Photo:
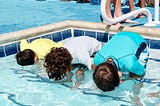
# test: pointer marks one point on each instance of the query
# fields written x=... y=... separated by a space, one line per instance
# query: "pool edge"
x=31 y=32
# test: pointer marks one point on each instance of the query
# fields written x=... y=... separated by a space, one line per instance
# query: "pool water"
x=22 y=14
x=29 y=86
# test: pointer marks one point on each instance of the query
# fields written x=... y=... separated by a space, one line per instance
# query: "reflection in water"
x=12 y=98
x=112 y=97
x=136 y=91
x=34 y=77
x=157 y=94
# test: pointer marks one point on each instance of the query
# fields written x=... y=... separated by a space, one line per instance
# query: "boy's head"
x=57 y=63
x=26 y=57
x=106 y=76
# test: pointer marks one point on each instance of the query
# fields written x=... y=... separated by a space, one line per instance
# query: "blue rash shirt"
x=122 y=48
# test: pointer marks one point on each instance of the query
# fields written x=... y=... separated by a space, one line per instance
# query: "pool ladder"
x=130 y=14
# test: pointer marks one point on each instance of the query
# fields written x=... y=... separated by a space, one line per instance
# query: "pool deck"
x=153 y=33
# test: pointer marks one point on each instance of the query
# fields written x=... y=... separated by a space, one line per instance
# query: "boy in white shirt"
x=76 y=50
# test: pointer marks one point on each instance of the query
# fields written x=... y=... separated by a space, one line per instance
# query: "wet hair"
x=25 y=57
x=57 y=62
x=106 y=76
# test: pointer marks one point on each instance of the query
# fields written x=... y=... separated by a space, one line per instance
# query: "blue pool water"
x=23 y=14
x=29 y=86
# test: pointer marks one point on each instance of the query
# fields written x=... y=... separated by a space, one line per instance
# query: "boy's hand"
x=93 y=66
x=69 y=76
x=76 y=86
x=79 y=78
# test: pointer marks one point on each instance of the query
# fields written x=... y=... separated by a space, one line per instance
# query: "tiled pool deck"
x=9 y=42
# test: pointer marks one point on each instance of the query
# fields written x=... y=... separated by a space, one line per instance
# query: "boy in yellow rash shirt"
x=32 y=52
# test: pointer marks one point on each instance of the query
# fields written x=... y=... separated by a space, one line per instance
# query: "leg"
x=108 y=10
x=143 y=55
x=143 y=2
x=118 y=11
x=131 y=6
x=117 y=8
x=142 y=5
x=141 y=48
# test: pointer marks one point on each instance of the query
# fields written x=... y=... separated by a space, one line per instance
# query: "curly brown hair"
x=57 y=63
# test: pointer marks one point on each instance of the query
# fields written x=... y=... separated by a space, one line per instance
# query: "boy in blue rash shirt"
x=118 y=55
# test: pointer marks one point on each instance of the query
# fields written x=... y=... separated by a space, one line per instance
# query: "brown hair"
x=57 y=63
x=25 y=57
x=106 y=76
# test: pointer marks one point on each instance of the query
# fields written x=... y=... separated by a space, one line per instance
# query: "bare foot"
x=118 y=24
x=139 y=16
x=124 y=21
x=130 y=21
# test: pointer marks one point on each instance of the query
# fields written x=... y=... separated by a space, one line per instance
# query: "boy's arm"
x=79 y=78
x=131 y=77
x=134 y=66
x=136 y=69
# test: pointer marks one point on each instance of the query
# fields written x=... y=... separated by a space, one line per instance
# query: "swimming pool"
x=28 y=86
x=22 y=14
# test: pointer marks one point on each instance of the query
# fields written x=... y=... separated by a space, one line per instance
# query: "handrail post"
x=156 y=12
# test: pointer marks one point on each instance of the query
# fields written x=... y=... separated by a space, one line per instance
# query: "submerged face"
x=25 y=57
x=106 y=76
x=57 y=63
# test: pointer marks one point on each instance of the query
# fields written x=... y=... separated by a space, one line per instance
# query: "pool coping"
x=153 y=33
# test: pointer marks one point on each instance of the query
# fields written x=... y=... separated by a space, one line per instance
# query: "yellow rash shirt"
x=40 y=46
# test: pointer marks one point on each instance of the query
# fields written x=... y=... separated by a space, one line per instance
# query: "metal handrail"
x=125 y=16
